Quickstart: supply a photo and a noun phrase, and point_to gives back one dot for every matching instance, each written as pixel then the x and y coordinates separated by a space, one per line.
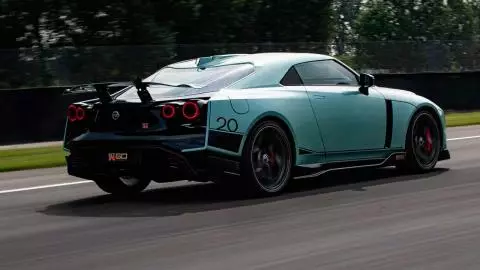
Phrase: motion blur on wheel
pixel 264 118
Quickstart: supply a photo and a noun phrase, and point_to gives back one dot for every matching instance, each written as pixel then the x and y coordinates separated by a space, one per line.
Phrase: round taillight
pixel 72 113
pixel 168 111
pixel 75 113
pixel 190 110
pixel 80 113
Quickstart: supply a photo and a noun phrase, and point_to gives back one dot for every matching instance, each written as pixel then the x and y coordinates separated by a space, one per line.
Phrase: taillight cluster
pixel 168 111
pixel 189 110
pixel 75 113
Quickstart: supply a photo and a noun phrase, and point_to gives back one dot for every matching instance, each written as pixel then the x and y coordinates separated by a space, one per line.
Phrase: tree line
pixel 47 42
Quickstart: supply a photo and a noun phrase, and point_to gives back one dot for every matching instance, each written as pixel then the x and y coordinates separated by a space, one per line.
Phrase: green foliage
pixel 51 39
pixel 349 60
pixel 345 13
pixel 295 21
pixel 403 35
pixel 46 42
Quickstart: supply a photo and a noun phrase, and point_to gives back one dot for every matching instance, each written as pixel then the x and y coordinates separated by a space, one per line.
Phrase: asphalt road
pixel 369 219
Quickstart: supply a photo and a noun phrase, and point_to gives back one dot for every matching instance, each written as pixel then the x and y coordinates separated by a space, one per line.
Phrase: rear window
pixel 192 81
pixel 200 78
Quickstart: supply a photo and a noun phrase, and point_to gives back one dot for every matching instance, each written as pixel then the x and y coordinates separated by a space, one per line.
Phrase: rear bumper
pixel 161 161
pixel 444 155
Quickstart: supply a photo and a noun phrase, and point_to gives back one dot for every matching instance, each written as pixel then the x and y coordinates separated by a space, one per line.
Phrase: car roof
pixel 257 59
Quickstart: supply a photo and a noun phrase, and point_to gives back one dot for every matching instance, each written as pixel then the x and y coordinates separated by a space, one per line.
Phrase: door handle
pixel 318 96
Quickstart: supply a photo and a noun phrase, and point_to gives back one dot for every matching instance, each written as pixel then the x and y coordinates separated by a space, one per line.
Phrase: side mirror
pixel 366 81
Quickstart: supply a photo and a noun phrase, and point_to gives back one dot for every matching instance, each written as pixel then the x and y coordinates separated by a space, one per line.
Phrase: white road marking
pixel 464 138
pixel 43 187
pixel 85 182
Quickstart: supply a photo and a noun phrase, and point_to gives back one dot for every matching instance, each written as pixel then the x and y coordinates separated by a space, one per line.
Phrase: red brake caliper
pixel 272 158
pixel 428 143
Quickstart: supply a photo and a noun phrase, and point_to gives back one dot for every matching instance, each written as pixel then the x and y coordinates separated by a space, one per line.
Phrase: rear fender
pixel 225 127
pixel 251 106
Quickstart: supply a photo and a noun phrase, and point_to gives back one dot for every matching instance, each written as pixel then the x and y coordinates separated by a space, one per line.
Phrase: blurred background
pixel 64 42
pixel 429 47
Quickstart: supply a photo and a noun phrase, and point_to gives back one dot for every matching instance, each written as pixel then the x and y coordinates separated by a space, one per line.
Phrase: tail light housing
pixel 184 111
pixel 168 111
pixel 190 110
pixel 75 113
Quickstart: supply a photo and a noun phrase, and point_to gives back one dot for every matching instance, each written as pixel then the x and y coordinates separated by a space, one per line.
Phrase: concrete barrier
pixel 451 91
pixel 35 114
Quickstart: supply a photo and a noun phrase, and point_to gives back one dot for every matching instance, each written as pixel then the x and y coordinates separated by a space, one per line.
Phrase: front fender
pixel 440 114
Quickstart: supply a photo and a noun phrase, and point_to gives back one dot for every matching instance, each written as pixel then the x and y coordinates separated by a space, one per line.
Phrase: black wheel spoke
pixel 269 173
pixel 268 157
pixel 425 141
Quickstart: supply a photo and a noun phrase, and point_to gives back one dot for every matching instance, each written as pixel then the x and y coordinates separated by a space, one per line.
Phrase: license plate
pixel 117 157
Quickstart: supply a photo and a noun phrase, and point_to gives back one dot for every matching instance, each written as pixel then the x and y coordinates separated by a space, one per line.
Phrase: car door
pixel 349 120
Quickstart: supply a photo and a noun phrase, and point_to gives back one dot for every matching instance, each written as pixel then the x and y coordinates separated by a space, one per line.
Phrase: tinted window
pixel 326 72
pixel 180 82
pixel 291 78
pixel 199 78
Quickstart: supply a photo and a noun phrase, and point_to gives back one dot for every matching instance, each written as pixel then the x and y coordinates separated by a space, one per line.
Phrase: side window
pixel 325 72
pixel 291 78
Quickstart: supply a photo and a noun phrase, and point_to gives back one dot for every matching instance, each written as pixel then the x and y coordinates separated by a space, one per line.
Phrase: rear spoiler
pixel 102 89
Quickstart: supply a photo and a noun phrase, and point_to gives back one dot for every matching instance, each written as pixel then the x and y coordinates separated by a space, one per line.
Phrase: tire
pixel 267 159
pixel 122 186
pixel 422 147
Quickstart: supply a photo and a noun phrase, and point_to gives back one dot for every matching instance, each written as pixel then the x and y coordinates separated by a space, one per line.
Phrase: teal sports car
pixel 266 119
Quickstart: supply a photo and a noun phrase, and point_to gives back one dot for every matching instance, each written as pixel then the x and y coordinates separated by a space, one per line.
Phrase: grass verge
pixel 53 156
pixel 456 119
pixel 31 158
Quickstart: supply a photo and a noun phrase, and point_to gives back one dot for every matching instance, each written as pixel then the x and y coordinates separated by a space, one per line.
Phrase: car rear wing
pixel 103 90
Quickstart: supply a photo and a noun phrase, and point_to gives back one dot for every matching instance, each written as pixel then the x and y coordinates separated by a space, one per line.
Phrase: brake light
pixel 190 110
pixel 75 113
pixel 168 111
pixel 187 111
pixel 72 113
pixel 80 113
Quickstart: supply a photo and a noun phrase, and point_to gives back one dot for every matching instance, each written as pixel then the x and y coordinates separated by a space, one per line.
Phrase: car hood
pixel 405 96
pixel 396 94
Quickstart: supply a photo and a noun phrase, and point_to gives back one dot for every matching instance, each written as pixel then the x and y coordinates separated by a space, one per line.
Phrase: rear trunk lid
pixel 127 117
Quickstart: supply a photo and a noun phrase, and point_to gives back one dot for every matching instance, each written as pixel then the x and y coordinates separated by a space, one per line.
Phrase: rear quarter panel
pixel 244 108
